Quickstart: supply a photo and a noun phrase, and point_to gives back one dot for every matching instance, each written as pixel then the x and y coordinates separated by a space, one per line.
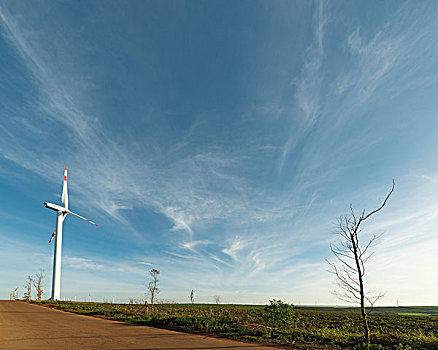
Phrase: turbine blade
pixel 64 196
pixel 91 222
pixel 53 235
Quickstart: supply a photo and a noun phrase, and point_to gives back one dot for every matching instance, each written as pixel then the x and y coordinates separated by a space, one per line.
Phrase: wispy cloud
pixel 237 245
pixel 308 85
pixel 192 244
pixel 83 263
pixel 431 178
pixel 382 65
pixel 377 67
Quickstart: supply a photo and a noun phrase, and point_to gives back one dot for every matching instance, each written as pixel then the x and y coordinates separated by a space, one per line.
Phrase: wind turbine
pixel 61 213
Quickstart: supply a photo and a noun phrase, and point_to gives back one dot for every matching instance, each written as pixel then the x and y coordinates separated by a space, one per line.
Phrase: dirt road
pixel 25 326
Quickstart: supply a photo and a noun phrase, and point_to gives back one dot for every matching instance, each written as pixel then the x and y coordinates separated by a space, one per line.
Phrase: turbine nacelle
pixel 55 207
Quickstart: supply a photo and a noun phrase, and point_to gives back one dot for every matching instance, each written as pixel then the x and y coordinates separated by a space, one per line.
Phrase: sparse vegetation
pixel 279 323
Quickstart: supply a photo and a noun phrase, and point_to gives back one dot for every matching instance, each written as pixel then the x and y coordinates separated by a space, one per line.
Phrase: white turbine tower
pixel 61 213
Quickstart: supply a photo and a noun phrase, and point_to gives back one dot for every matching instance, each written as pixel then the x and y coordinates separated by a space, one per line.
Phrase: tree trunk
pixel 362 292
pixel 365 321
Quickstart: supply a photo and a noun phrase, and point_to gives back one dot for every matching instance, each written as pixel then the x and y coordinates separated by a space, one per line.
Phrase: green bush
pixel 279 314
pixel 402 347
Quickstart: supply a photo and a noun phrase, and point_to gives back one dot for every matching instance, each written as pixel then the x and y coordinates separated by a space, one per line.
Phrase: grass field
pixel 385 310
pixel 300 327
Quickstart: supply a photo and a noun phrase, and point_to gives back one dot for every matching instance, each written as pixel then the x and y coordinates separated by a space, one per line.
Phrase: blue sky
pixel 218 142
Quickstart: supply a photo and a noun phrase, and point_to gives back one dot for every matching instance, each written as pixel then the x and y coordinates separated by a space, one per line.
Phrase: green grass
pixel 385 310
pixel 303 327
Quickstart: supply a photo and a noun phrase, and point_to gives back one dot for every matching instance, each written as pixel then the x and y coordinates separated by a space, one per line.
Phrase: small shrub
pixel 402 347
pixel 279 314
pixel 365 346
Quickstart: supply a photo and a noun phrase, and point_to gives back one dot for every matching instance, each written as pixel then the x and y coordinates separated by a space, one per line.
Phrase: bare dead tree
pixel 13 295
pixel 38 283
pixel 351 256
pixel 28 286
pixel 192 296
pixel 217 299
pixel 153 286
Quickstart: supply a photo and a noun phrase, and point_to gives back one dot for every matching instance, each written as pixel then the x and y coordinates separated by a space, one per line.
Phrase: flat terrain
pixel 279 323
pixel 27 326
pixel 379 310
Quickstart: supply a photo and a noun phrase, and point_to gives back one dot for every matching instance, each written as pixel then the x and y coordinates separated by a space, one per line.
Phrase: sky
pixel 219 142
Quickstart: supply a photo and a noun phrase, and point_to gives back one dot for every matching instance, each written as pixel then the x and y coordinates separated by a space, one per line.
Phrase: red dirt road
pixel 26 326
